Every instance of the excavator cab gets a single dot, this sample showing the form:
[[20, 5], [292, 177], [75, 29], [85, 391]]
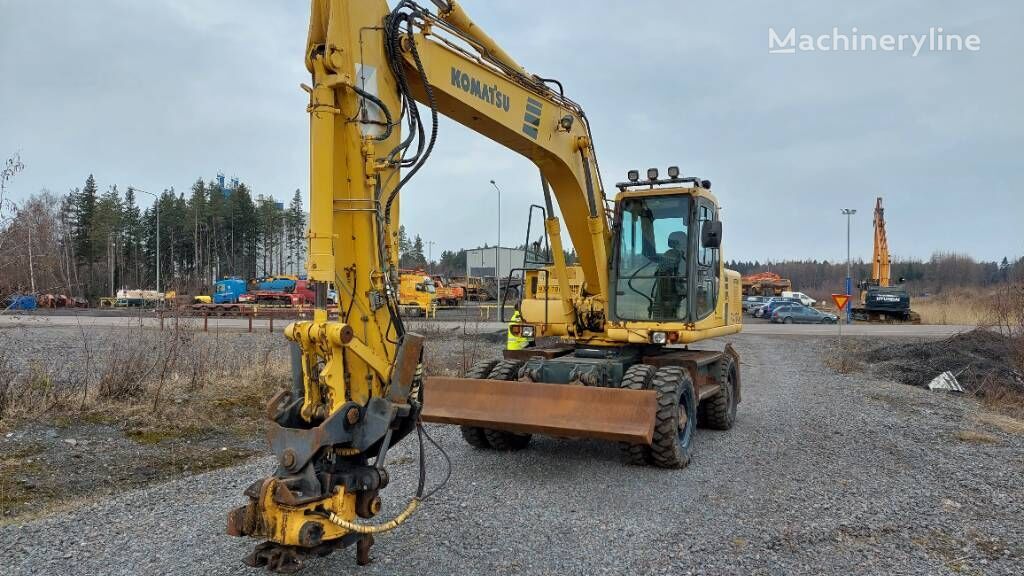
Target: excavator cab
[[614, 369], [666, 262]]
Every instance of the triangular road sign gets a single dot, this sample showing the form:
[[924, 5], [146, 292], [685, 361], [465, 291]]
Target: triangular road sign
[[841, 300]]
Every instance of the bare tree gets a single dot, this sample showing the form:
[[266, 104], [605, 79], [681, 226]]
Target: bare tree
[[12, 166]]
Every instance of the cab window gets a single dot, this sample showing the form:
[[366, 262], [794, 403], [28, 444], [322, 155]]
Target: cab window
[[652, 263]]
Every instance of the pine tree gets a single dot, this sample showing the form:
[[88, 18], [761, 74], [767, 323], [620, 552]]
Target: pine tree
[[197, 210], [83, 211], [105, 236], [404, 246], [243, 231], [295, 220], [131, 234], [418, 259]]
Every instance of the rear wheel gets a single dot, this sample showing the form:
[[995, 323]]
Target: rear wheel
[[637, 377], [676, 418], [719, 411], [503, 439], [474, 435]]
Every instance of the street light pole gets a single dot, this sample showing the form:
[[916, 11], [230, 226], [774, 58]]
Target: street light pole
[[848, 212], [430, 256], [156, 206], [497, 251]]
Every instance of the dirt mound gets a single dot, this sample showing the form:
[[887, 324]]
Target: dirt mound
[[980, 360]]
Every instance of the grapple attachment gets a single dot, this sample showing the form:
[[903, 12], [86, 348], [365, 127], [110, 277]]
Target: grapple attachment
[[566, 410]]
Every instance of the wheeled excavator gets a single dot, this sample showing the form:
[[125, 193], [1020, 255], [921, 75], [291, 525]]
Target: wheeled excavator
[[649, 282]]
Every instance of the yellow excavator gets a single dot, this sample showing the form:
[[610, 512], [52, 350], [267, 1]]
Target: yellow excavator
[[649, 281], [880, 300]]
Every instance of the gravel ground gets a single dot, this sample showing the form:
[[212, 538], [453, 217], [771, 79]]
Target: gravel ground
[[823, 473]]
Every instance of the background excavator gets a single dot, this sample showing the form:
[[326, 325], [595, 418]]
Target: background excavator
[[650, 275], [880, 300]]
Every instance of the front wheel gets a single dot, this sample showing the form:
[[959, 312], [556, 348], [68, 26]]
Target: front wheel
[[676, 418], [637, 377], [787, 320], [503, 439], [474, 435]]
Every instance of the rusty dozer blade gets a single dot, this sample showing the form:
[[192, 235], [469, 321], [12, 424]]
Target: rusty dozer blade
[[532, 407]]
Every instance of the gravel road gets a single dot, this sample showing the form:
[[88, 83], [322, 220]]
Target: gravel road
[[823, 474]]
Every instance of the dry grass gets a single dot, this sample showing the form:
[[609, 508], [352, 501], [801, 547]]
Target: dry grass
[[1000, 306], [1004, 422], [957, 307], [153, 384], [976, 437]]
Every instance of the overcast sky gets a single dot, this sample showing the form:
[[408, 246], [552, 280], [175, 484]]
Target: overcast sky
[[157, 93]]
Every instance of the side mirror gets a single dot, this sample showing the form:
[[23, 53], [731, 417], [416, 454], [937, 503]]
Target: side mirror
[[711, 234]]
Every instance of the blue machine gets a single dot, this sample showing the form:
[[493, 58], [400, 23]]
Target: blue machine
[[228, 290], [23, 302], [276, 284]]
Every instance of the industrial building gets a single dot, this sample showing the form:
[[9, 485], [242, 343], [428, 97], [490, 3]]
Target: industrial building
[[482, 262]]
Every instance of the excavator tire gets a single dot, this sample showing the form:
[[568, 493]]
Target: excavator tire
[[719, 411], [676, 399], [474, 435], [502, 439], [637, 377]]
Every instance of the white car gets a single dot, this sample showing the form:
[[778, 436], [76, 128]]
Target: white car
[[803, 298]]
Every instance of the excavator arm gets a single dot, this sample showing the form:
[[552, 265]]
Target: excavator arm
[[357, 386], [447, 63], [880, 264]]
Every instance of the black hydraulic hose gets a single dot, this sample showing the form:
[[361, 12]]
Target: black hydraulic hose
[[547, 196], [389, 299], [433, 118], [590, 185], [561, 90], [298, 383], [383, 108], [393, 47]]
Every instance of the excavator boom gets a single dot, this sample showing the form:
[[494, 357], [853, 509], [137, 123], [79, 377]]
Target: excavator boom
[[880, 263]]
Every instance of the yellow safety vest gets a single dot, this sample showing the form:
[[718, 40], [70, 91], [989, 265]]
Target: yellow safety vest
[[516, 342]]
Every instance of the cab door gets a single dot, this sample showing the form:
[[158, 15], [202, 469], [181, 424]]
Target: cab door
[[707, 264]]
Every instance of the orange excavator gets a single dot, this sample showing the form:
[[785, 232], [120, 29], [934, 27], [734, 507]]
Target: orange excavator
[[880, 301]]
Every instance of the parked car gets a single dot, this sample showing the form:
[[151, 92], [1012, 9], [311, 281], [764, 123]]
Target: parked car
[[750, 303], [800, 314], [800, 296], [771, 305]]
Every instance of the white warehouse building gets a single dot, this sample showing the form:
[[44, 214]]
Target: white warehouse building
[[482, 262]]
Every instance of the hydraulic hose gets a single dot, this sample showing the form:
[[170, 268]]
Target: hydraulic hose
[[388, 123], [376, 528], [298, 381]]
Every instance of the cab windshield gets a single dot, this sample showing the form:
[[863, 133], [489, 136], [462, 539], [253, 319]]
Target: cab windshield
[[652, 259]]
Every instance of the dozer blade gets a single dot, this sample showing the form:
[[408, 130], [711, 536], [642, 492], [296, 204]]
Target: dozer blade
[[532, 407]]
